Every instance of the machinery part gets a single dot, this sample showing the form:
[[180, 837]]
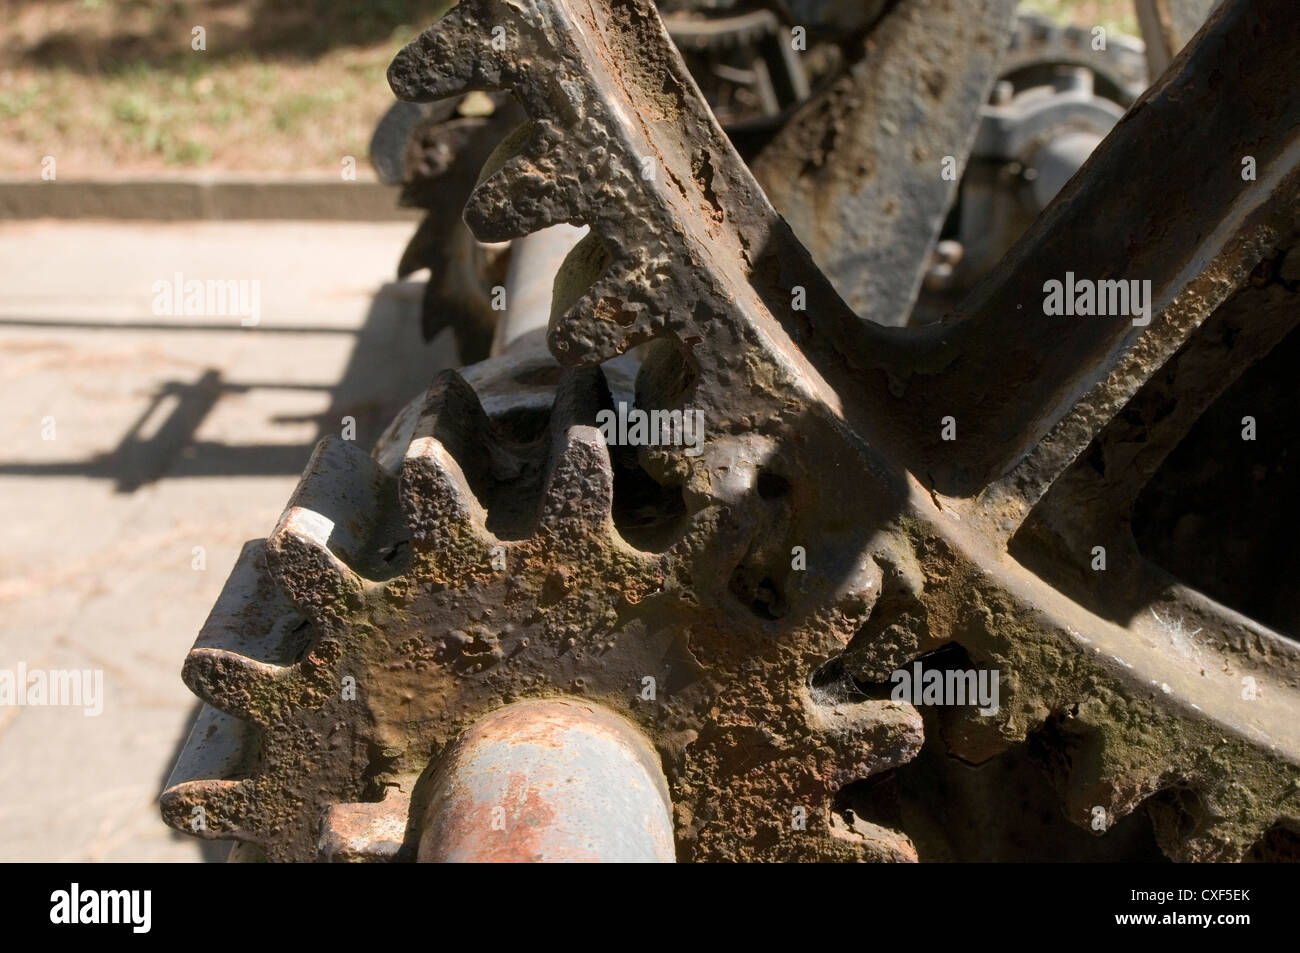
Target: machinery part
[[869, 188], [814, 171], [1048, 129], [435, 648], [549, 781], [388, 142], [1167, 27], [1040, 48], [366, 832], [833, 18], [1030, 143], [745, 65], [534, 260], [751, 75], [825, 442], [736, 791], [1057, 98], [441, 162], [865, 172]]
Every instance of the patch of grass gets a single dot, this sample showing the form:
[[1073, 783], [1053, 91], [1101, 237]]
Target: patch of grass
[[289, 113], [113, 86], [1114, 15], [15, 102]]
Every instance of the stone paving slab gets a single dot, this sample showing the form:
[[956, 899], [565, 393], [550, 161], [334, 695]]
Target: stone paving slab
[[170, 433]]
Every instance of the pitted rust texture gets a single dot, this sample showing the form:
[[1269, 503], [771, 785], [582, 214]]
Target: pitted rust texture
[[449, 637], [620, 140], [396, 564], [368, 832]]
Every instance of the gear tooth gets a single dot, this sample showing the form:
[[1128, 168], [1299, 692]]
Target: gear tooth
[[455, 55], [1092, 766], [300, 560], [852, 601], [586, 263], [580, 396], [712, 537], [867, 736], [224, 809], [348, 489], [1221, 841], [246, 688], [1197, 817], [599, 326], [580, 487], [1214, 829], [453, 416], [219, 746], [320, 532], [453, 434], [422, 251], [877, 844], [252, 616], [591, 319], [523, 188], [437, 503]]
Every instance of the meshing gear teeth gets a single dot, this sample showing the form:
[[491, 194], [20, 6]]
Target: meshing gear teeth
[[620, 140], [486, 566], [467, 620]]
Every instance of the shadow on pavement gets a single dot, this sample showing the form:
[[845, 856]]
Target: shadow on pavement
[[389, 366]]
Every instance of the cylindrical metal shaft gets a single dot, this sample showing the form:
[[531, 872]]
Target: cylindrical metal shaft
[[549, 781], [534, 260]]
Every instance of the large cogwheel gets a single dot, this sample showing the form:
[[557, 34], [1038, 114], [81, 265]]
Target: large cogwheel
[[861, 497], [482, 567]]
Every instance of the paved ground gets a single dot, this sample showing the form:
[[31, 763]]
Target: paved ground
[[169, 433]]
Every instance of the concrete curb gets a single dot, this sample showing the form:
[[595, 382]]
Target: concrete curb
[[204, 197]]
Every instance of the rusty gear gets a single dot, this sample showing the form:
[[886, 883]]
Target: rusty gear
[[473, 599], [942, 487]]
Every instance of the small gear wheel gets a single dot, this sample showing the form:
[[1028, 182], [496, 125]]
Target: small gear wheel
[[1039, 47], [402, 600]]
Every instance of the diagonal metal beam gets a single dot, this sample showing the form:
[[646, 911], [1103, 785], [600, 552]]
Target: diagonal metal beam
[[1167, 26], [1102, 486], [1031, 390], [865, 171]]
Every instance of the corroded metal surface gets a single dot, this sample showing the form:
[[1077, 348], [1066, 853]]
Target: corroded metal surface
[[741, 605], [576, 609], [368, 832], [866, 172], [549, 781]]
